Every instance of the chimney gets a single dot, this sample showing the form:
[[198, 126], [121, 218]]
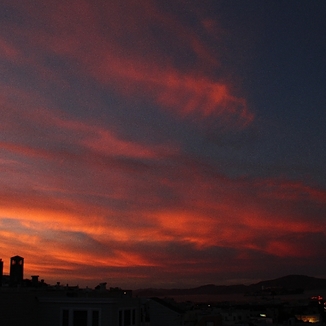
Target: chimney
[[35, 280]]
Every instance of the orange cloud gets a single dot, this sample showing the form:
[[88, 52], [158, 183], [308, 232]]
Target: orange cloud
[[85, 197], [179, 203]]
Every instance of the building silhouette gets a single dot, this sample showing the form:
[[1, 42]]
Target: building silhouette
[[1, 271], [16, 270]]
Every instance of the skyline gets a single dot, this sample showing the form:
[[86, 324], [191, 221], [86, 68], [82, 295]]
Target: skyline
[[163, 143]]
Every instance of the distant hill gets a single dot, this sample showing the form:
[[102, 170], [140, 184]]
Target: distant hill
[[284, 285], [295, 281]]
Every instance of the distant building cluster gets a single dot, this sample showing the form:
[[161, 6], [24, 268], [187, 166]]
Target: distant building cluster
[[31, 302]]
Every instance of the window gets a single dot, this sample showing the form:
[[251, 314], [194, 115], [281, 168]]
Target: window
[[127, 318], [120, 318], [80, 318], [133, 317], [95, 318], [65, 317]]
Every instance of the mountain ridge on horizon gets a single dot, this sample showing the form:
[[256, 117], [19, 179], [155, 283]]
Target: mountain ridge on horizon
[[289, 283]]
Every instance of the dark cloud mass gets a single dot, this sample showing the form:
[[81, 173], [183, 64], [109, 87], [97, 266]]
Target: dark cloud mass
[[162, 143]]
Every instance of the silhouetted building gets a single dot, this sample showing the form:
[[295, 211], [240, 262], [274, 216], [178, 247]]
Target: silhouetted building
[[16, 270], [1, 271], [35, 282], [89, 309], [165, 312]]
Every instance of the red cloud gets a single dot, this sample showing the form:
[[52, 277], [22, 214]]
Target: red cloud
[[8, 51], [171, 201], [186, 95], [107, 41], [36, 127], [81, 179]]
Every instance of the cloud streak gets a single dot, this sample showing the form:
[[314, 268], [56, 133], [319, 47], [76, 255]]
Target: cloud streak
[[92, 198], [115, 54]]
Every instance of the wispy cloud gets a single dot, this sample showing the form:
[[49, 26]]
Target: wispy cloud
[[114, 53], [90, 196]]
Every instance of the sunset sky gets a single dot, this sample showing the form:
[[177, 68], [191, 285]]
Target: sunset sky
[[163, 143]]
